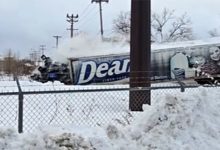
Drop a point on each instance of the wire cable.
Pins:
(86, 22)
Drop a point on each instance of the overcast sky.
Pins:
(26, 24)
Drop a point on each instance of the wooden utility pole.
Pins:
(57, 40)
(71, 19)
(100, 12)
(140, 54)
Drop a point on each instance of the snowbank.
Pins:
(180, 121)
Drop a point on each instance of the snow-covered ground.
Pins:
(174, 121)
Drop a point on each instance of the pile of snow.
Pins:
(178, 121)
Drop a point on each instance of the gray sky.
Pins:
(26, 24)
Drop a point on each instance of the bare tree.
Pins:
(12, 65)
(121, 24)
(214, 33)
(165, 27)
(8, 62)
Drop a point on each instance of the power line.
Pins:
(84, 11)
(85, 22)
(90, 13)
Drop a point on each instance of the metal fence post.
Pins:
(20, 106)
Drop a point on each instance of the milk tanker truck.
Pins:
(196, 60)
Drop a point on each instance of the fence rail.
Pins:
(28, 110)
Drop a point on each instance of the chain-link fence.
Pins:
(8, 109)
(96, 106)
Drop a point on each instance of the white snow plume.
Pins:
(83, 45)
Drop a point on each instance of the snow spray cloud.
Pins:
(83, 45)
